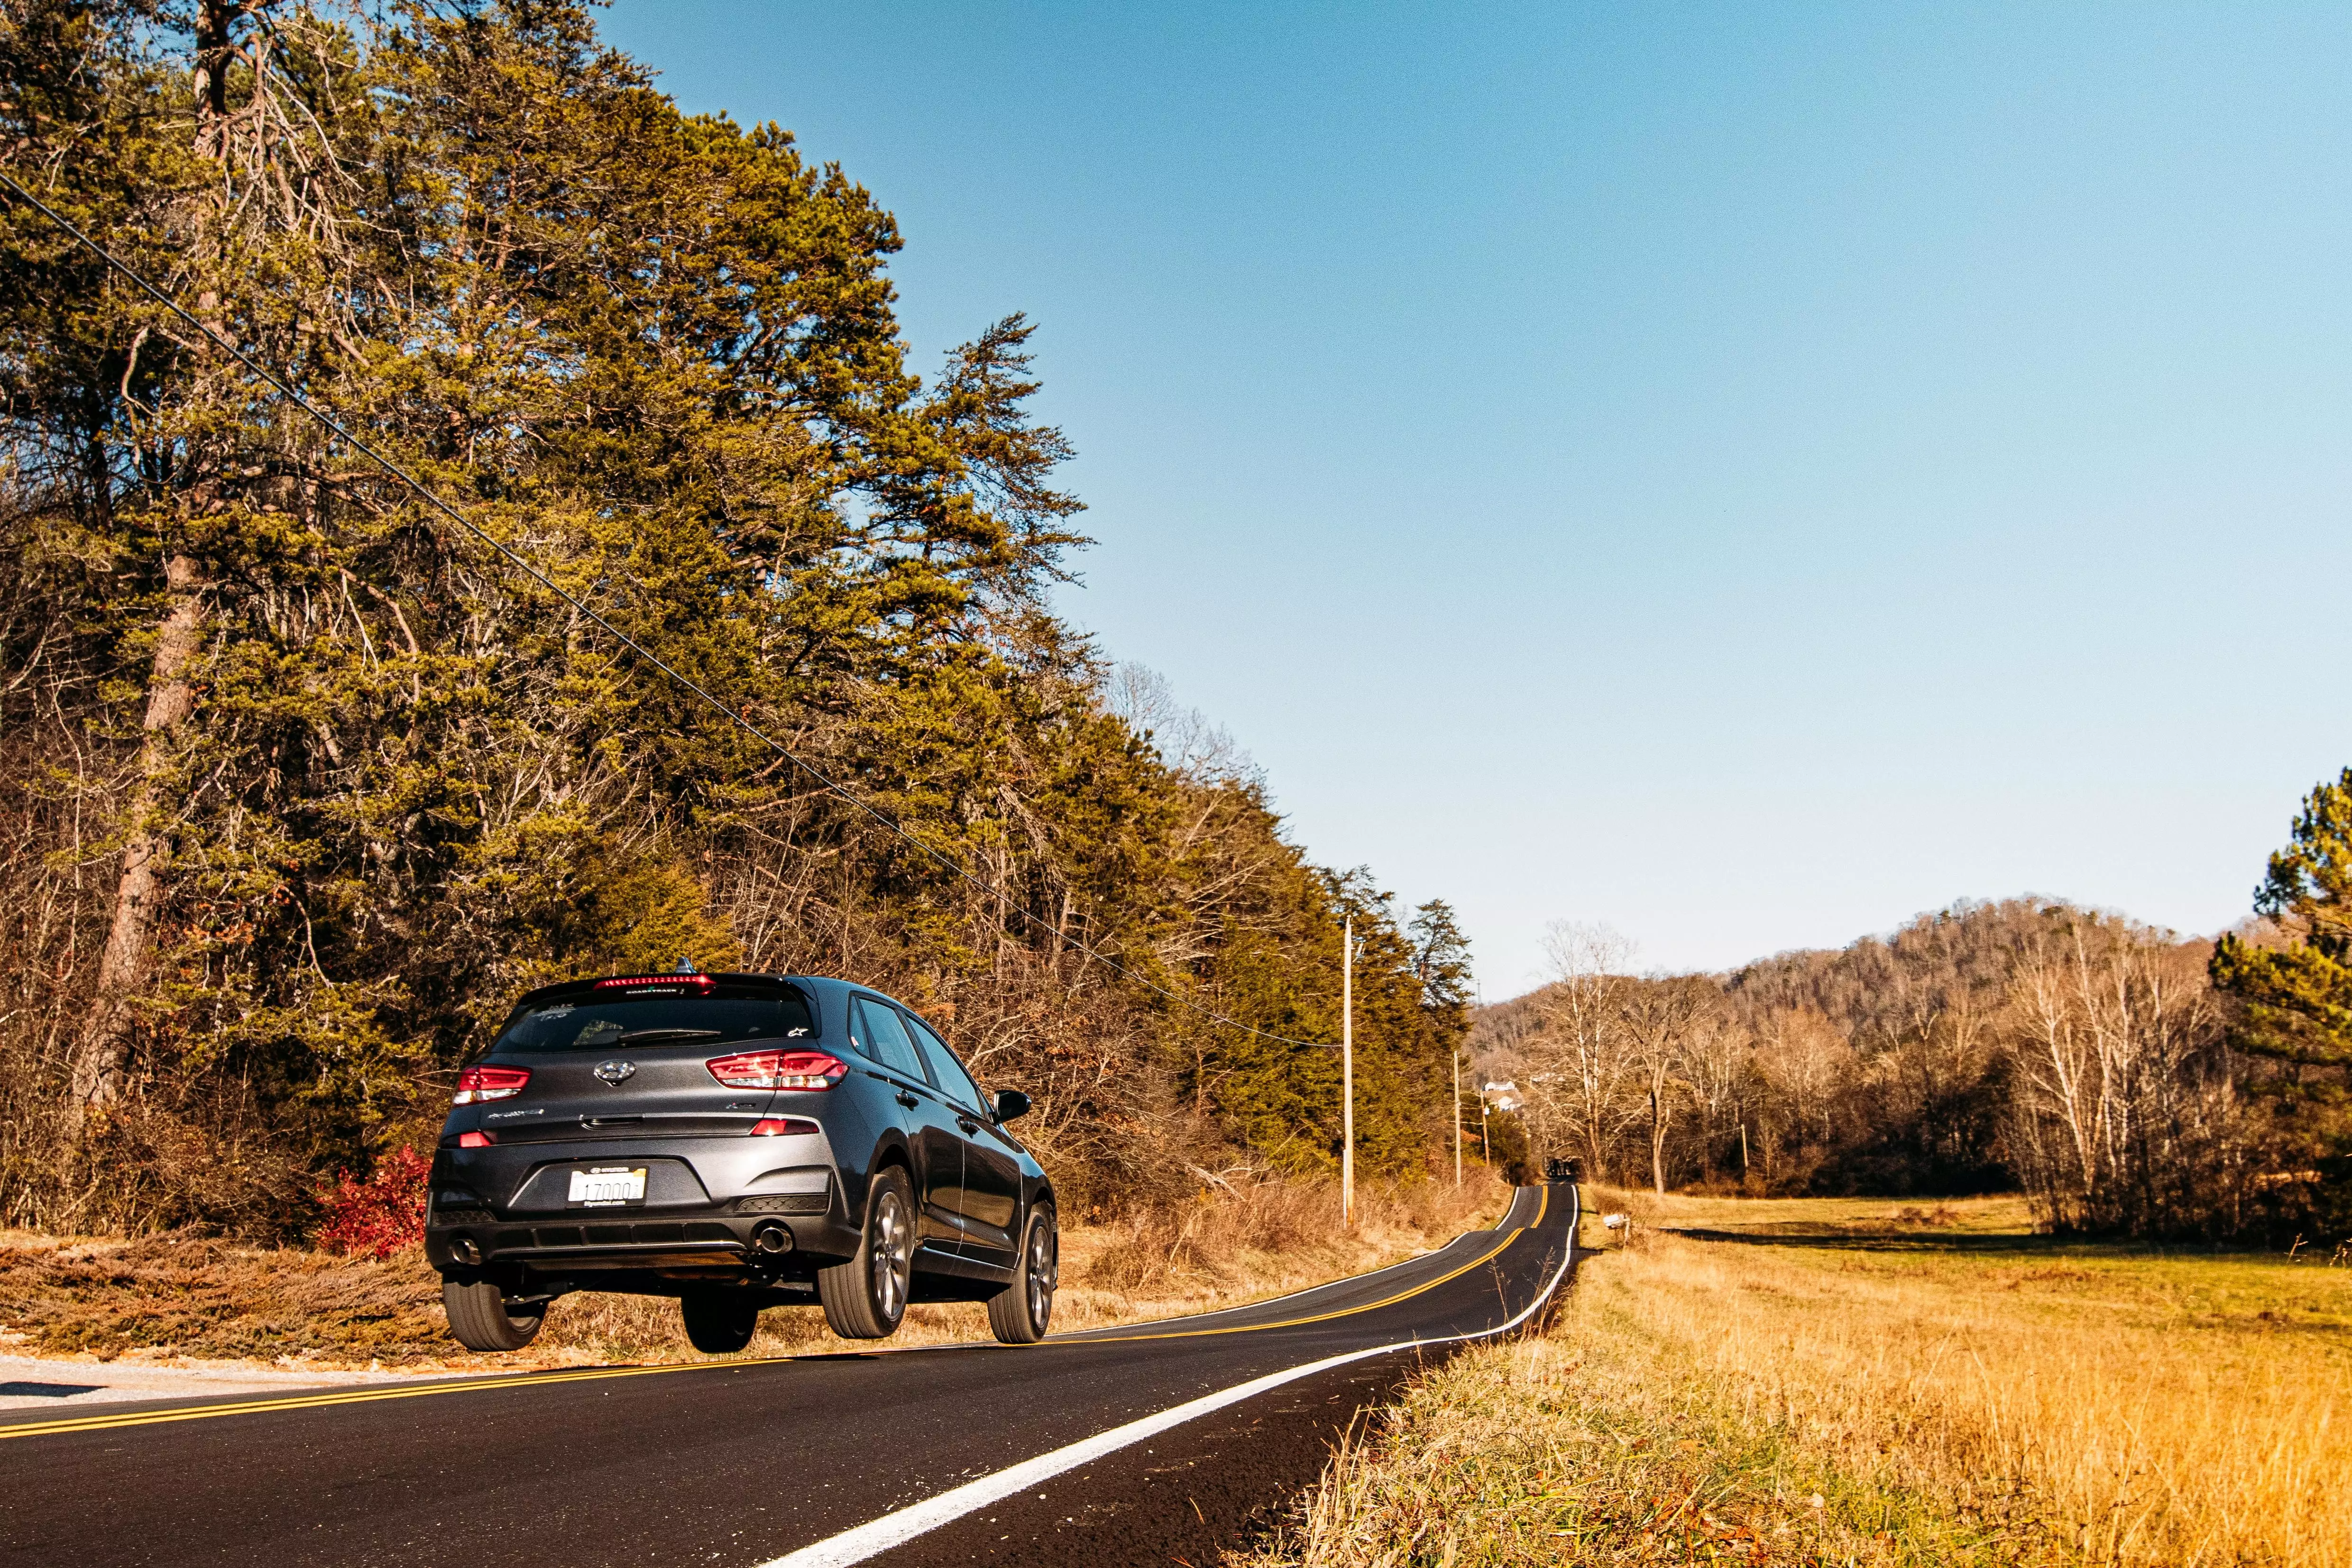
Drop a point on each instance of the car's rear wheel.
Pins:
(481, 1319)
(865, 1297)
(1020, 1312)
(719, 1322)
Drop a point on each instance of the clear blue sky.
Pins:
(1743, 473)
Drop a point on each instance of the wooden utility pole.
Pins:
(1347, 1073)
(1457, 1118)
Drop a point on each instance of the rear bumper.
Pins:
(719, 1242)
(501, 1211)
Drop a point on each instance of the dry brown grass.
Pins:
(177, 1296)
(1950, 1389)
(214, 1299)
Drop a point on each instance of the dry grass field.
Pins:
(178, 1297)
(1837, 1382)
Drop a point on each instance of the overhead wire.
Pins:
(829, 785)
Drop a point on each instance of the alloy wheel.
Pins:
(1041, 1272)
(892, 1255)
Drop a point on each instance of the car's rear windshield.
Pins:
(593, 1024)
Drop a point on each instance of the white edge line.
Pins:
(879, 1535)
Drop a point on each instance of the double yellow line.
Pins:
(103, 1423)
(350, 1397)
(1487, 1257)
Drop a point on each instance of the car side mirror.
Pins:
(1011, 1102)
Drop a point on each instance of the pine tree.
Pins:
(1440, 962)
(2296, 1000)
(322, 782)
(2294, 1003)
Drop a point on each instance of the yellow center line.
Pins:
(359, 1397)
(96, 1423)
(1544, 1197)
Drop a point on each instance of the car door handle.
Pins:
(908, 1101)
(967, 1125)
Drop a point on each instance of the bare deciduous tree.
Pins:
(1803, 1058)
(2117, 1045)
(1661, 1016)
(1581, 1064)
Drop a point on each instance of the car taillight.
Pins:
(778, 1070)
(782, 1127)
(476, 1084)
(476, 1140)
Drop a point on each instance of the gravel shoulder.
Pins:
(32, 1382)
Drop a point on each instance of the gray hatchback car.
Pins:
(735, 1141)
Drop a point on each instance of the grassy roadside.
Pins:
(1869, 1383)
(176, 1297)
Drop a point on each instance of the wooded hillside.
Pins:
(299, 786)
(2087, 1059)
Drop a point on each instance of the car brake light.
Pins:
(476, 1084)
(476, 1140)
(782, 1127)
(668, 982)
(778, 1070)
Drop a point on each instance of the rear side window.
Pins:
(876, 1032)
(945, 1069)
(595, 1024)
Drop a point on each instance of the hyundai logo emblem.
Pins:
(616, 1072)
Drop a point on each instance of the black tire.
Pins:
(867, 1297)
(481, 1319)
(719, 1322)
(1020, 1312)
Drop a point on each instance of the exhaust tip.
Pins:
(467, 1251)
(772, 1237)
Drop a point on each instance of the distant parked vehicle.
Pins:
(735, 1141)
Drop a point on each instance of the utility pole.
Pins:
(1486, 1150)
(1457, 1118)
(1347, 1073)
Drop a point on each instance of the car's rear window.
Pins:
(592, 1024)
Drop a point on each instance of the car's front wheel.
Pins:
(1020, 1312)
(481, 1319)
(719, 1322)
(865, 1297)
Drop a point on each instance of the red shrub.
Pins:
(380, 1214)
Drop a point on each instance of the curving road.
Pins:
(1145, 1444)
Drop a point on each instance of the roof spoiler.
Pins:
(623, 985)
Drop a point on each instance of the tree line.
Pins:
(299, 786)
(2128, 1080)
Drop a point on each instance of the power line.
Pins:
(839, 791)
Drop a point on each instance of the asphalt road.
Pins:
(1149, 1444)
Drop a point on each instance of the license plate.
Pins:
(606, 1187)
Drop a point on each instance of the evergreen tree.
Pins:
(2296, 1000)
(301, 785)
(1440, 962)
